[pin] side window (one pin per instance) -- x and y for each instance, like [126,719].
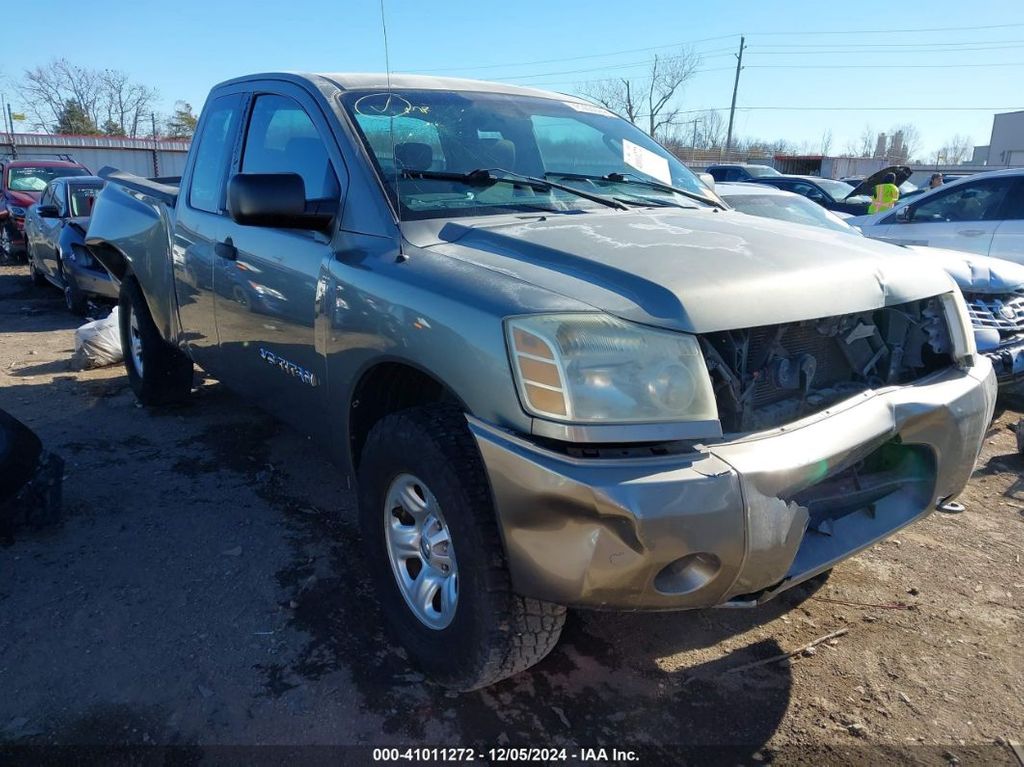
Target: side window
[733,174]
[60,200]
[213,154]
[978,201]
[282,138]
[1014,208]
[47,198]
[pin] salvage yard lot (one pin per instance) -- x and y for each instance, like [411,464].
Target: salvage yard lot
[207,586]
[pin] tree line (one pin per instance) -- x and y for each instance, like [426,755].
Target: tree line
[67,98]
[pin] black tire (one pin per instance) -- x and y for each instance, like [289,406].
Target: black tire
[38,279]
[74,299]
[495,633]
[165,376]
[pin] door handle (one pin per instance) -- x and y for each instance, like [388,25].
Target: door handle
[226,250]
[971,232]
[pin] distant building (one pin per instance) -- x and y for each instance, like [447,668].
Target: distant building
[1006,147]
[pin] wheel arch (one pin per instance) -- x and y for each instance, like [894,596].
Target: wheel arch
[386,386]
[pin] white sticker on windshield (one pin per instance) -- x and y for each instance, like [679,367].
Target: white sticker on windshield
[646,161]
[590,109]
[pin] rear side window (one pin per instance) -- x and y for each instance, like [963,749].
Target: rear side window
[213,154]
[283,139]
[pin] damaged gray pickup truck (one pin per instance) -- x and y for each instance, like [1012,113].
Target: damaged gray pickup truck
[561,370]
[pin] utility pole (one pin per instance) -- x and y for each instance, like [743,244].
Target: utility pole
[735,87]
[10,121]
[156,155]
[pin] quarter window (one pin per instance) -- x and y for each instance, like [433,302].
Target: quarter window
[214,151]
[283,139]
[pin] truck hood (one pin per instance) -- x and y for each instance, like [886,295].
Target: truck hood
[867,186]
[696,271]
[974,273]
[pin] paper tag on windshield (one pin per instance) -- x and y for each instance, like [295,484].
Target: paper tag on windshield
[646,161]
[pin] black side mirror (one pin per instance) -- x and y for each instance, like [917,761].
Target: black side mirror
[275,200]
[48,211]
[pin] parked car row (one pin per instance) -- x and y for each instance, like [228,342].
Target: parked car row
[45,207]
[993,288]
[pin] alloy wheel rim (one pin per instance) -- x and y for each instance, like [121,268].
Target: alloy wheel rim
[421,551]
[136,341]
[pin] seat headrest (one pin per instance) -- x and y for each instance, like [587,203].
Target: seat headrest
[413,155]
[503,154]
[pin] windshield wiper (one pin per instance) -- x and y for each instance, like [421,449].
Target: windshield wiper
[491,176]
[634,178]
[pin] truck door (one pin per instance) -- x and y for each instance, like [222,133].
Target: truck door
[268,281]
[200,221]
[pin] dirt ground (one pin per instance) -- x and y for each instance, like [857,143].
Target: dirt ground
[206,588]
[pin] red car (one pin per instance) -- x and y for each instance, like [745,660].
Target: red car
[21,184]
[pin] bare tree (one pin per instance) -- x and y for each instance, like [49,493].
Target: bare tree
[911,137]
[46,91]
[866,141]
[106,97]
[826,142]
[955,150]
[711,129]
[649,98]
[124,102]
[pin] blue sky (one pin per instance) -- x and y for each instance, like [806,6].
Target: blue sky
[796,51]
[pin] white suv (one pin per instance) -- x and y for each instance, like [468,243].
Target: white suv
[983,214]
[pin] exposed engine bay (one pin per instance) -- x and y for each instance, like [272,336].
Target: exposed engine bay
[768,376]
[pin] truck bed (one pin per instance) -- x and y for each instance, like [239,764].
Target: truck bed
[165,189]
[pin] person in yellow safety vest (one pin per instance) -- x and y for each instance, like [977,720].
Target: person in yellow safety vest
[886,194]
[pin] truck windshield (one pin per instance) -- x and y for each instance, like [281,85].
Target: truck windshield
[25,179]
[422,140]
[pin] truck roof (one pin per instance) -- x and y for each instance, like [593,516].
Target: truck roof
[379,80]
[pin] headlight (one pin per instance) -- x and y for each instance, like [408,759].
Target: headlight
[960,331]
[593,368]
[16,211]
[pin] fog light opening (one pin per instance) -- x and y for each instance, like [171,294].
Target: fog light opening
[687,574]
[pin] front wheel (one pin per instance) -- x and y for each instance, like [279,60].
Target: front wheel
[74,299]
[433,549]
[159,374]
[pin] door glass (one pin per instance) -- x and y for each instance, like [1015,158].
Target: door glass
[1014,208]
[283,139]
[60,201]
[969,202]
[47,198]
[215,144]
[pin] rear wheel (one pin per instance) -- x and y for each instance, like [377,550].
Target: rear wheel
[38,279]
[437,560]
[159,373]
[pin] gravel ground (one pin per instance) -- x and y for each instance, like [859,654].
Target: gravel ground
[206,588]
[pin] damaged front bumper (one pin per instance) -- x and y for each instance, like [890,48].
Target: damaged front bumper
[1008,363]
[738,522]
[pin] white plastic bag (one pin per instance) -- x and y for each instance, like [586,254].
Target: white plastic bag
[98,343]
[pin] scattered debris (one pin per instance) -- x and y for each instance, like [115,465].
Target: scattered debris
[790,654]
[913,591]
[857,729]
[951,507]
[98,343]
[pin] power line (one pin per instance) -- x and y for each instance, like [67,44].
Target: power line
[889,31]
[572,58]
[917,51]
[885,45]
[885,66]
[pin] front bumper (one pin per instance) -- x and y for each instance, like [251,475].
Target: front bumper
[1008,363]
[739,522]
[94,281]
